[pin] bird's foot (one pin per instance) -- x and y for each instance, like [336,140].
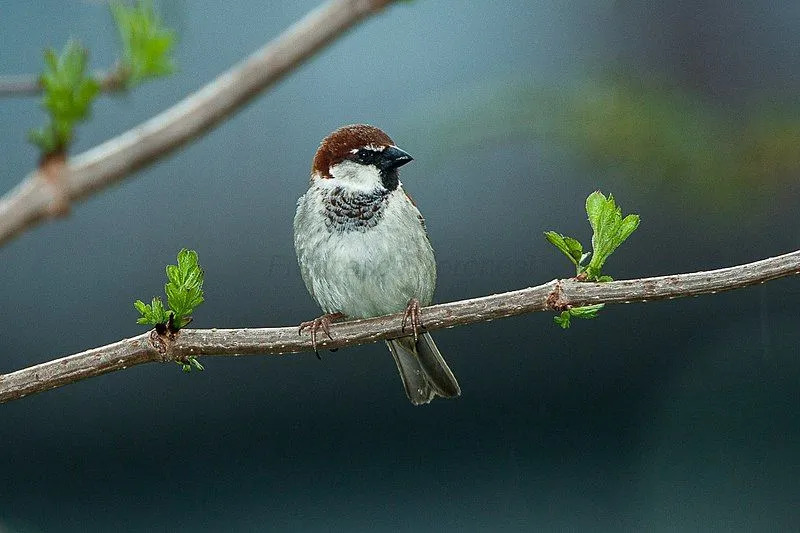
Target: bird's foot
[321,323]
[413,317]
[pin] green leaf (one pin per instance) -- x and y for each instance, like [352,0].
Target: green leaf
[562,320]
[140,306]
[146,43]
[189,362]
[68,95]
[184,288]
[570,247]
[609,230]
[628,226]
[153,313]
[586,312]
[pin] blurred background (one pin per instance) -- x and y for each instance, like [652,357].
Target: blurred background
[663,416]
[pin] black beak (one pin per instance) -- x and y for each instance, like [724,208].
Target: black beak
[393,157]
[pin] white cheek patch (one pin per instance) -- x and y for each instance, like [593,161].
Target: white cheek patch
[355,176]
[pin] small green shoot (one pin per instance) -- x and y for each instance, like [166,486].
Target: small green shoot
[68,95]
[570,247]
[609,230]
[185,287]
[587,312]
[152,313]
[184,290]
[190,362]
[146,43]
[69,89]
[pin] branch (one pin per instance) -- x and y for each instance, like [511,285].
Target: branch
[38,197]
[20,85]
[30,84]
[555,295]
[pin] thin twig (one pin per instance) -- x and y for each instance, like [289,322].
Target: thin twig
[20,85]
[30,84]
[151,347]
[30,202]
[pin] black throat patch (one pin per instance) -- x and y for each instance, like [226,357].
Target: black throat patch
[390,178]
[354,211]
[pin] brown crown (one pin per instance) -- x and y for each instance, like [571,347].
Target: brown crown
[338,145]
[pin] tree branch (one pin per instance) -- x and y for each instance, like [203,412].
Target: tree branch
[36,198]
[30,84]
[555,295]
[20,85]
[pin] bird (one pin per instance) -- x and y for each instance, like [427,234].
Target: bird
[363,251]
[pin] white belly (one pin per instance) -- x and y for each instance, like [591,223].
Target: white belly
[365,273]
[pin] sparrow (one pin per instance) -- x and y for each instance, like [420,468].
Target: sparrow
[363,251]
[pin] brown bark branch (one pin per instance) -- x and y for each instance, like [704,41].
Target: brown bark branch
[30,84]
[554,295]
[31,201]
[20,85]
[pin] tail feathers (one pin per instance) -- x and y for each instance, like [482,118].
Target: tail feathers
[415,382]
[422,368]
[436,370]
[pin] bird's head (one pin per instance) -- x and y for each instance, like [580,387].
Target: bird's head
[359,157]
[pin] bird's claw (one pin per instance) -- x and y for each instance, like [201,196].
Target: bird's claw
[320,323]
[413,316]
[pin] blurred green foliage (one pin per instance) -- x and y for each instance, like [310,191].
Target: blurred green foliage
[69,89]
[647,130]
[146,43]
[68,95]
[668,134]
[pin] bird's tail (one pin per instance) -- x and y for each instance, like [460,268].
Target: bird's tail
[423,369]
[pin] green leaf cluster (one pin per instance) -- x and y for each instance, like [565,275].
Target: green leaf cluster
[190,362]
[185,286]
[152,313]
[69,89]
[68,95]
[146,43]
[569,247]
[184,290]
[587,312]
[609,230]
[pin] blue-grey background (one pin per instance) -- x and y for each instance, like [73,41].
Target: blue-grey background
[674,415]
